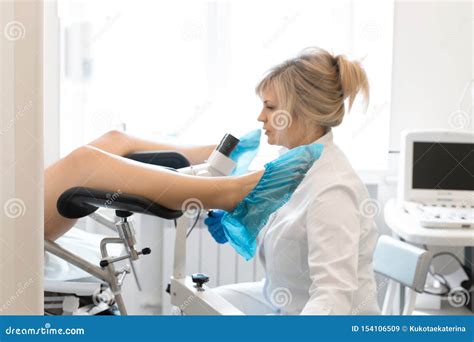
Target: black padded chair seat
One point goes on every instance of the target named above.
(79, 202)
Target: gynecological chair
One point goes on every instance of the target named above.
(101, 292)
(402, 264)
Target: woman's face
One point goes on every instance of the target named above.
(281, 127)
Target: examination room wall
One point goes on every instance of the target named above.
(21, 160)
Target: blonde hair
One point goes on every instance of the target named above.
(315, 85)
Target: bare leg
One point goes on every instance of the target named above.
(91, 167)
(121, 144)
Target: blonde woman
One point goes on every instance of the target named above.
(317, 249)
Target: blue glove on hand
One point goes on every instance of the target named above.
(214, 225)
(245, 151)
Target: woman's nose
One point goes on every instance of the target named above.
(262, 117)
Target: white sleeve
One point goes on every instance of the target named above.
(333, 227)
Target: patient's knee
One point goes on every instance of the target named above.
(82, 157)
(114, 136)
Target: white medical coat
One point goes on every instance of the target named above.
(317, 249)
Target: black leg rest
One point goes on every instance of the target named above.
(169, 159)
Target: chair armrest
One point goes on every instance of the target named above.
(402, 262)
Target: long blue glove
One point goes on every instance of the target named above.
(245, 151)
(280, 179)
(214, 225)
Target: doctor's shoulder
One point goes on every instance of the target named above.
(331, 169)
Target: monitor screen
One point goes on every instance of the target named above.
(443, 166)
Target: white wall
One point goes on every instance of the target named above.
(51, 82)
(432, 63)
(21, 158)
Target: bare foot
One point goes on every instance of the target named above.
(242, 185)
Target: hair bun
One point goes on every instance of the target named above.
(353, 79)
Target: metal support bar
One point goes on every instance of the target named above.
(114, 285)
(54, 248)
(103, 220)
(179, 267)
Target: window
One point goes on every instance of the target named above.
(187, 70)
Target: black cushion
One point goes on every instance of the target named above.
(170, 159)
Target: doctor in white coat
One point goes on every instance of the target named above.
(317, 249)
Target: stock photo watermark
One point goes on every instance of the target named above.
(110, 21)
(19, 114)
(193, 31)
(14, 208)
(370, 298)
(14, 30)
(369, 208)
(106, 120)
(188, 301)
(459, 120)
(21, 288)
(458, 297)
(199, 111)
(281, 119)
(280, 31)
(370, 31)
(376, 112)
(281, 297)
(191, 207)
(47, 329)
(111, 198)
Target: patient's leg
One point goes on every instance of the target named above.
(120, 143)
(91, 167)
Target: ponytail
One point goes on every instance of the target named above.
(353, 79)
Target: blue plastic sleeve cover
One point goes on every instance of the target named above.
(278, 183)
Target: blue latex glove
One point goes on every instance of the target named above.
(245, 151)
(214, 225)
